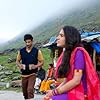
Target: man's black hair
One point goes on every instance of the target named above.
(28, 36)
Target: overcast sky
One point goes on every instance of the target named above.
(19, 15)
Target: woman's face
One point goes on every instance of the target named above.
(61, 39)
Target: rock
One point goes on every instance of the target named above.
(1, 67)
(1, 73)
(2, 76)
(4, 79)
(16, 83)
(8, 72)
(16, 78)
(10, 60)
(2, 84)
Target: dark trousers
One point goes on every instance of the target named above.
(28, 86)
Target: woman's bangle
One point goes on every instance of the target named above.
(56, 91)
(59, 91)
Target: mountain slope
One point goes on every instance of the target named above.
(87, 18)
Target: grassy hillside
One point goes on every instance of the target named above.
(9, 71)
(85, 17)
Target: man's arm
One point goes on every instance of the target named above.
(40, 59)
(18, 59)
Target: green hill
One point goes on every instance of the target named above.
(86, 17)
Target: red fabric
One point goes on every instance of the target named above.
(93, 82)
(58, 63)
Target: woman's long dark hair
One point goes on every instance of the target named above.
(72, 40)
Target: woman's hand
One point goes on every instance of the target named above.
(49, 93)
(47, 98)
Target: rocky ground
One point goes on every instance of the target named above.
(11, 95)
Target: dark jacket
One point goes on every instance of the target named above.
(41, 74)
(29, 58)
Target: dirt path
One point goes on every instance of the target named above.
(11, 95)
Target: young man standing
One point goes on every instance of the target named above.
(28, 60)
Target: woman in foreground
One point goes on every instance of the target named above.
(75, 65)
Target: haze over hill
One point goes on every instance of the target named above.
(17, 16)
(86, 15)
